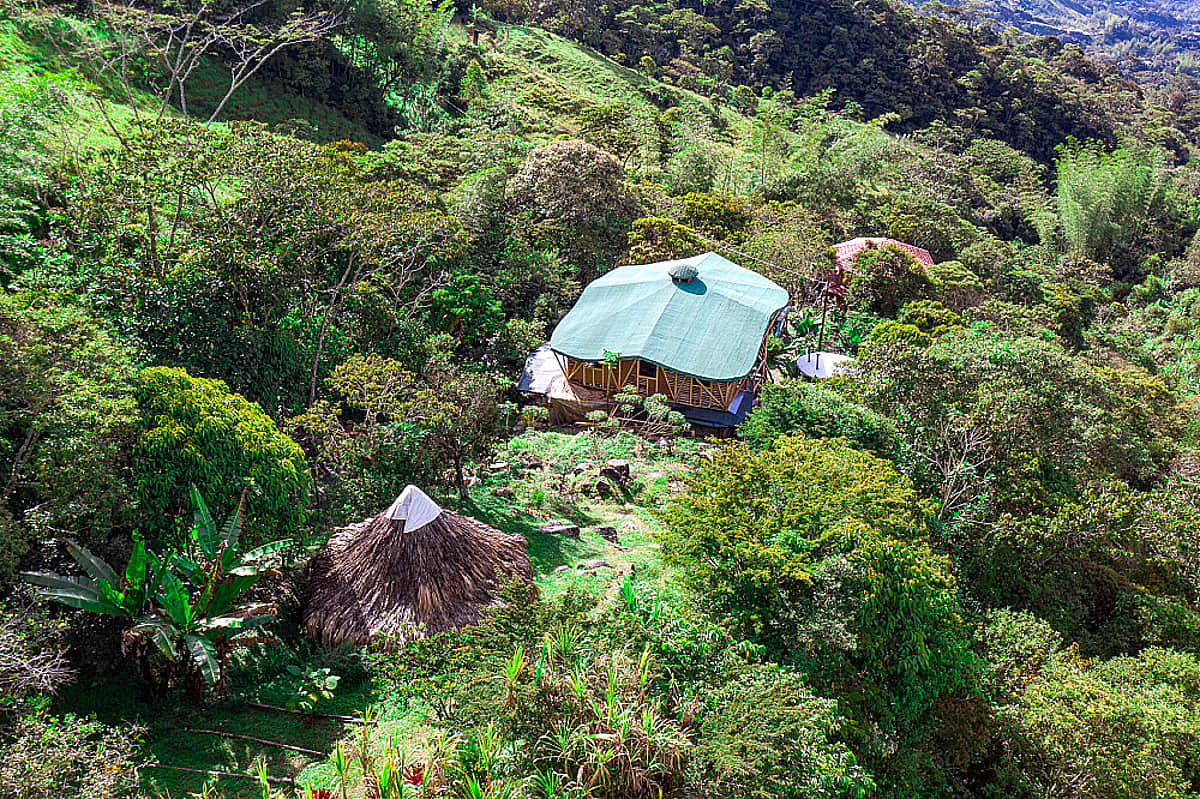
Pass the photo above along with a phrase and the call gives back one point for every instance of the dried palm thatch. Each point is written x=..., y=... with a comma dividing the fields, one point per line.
x=413, y=570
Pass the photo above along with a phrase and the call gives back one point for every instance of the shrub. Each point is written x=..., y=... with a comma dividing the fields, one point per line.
x=721, y=215
x=1112, y=569
x=692, y=167
x=766, y=735
x=66, y=408
x=1047, y=418
x=13, y=544
x=929, y=316
x=816, y=551
x=955, y=285
x=54, y=756
x=195, y=431
x=465, y=307
x=884, y=279
x=817, y=410
x=1127, y=727
x=645, y=697
x=892, y=332
x=984, y=258
x=654, y=239
x=1185, y=273
x=1072, y=313
x=32, y=663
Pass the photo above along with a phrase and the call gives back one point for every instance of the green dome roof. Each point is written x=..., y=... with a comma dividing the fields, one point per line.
x=711, y=328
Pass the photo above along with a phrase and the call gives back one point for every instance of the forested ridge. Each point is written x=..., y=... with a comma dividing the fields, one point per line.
x=1152, y=40
x=263, y=265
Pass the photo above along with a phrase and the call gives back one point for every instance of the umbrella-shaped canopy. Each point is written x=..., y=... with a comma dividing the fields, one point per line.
x=704, y=317
x=823, y=364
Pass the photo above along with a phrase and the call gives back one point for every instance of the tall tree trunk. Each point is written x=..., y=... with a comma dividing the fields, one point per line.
x=331, y=312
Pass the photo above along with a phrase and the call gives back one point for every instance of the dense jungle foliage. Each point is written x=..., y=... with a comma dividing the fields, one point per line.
x=263, y=264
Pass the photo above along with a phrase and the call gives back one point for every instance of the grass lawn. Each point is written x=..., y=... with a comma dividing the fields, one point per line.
x=551, y=477
x=172, y=740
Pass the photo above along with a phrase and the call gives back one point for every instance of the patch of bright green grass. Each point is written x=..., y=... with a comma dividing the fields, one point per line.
x=171, y=739
x=45, y=45
x=552, y=476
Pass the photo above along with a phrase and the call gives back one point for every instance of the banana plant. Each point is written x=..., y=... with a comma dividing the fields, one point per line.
x=102, y=591
x=185, y=604
x=201, y=610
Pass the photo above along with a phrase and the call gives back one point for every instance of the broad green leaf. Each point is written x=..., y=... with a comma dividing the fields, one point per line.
x=78, y=600
x=75, y=592
x=266, y=550
x=57, y=581
x=139, y=563
x=114, y=597
x=204, y=655
x=223, y=597
x=233, y=527
x=173, y=596
x=96, y=568
x=251, y=622
x=190, y=569
x=160, y=633
x=205, y=528
x=226, y=626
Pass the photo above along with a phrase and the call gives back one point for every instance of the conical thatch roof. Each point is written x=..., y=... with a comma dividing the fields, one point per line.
x=413, y=570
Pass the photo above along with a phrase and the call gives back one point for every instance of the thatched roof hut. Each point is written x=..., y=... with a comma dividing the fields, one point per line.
x=413, y=570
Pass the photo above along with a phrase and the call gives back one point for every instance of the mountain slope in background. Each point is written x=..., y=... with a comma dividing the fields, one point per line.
x=1163, y=34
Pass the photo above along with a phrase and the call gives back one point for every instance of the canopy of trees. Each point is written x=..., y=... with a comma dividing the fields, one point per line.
x=269, y=262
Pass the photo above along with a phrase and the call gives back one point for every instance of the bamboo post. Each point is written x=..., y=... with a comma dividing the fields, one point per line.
x=263, y=741
x=214, y=773
x=821, y=331
x=309, y=713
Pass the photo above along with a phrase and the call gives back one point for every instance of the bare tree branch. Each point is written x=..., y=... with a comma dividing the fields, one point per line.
x=148, y=51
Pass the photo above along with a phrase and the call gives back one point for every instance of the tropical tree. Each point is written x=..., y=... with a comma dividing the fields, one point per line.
x=66, y=408
x=1074, y=726
x=572, y=195
x=885, y=278
x=459, y=412
x=195, y=431
x=817, y=551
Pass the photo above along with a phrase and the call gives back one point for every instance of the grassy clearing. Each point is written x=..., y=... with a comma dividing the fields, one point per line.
x=550, y=84
x=553, y=81
x=28, y=50
x=551, y=477
x=172, y=742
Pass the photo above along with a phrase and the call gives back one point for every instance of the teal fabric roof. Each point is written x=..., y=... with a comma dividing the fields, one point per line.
x=710, y=327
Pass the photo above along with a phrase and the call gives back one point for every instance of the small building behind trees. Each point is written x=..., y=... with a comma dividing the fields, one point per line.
x=693, y=330
x=845, y=254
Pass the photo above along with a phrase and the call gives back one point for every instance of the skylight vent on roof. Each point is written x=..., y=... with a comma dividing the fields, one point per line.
x=683, y=273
